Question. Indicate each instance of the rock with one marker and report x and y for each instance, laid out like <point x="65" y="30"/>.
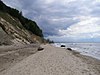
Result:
<point x="40" y="49"/>
<point x="69" y="49"/>
<point x="63" y="46"/>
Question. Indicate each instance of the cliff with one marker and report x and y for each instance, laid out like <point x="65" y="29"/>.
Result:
<point x="16" y="29"/>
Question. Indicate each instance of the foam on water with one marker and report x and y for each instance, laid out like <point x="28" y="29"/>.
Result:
<point x="89" y="49"/>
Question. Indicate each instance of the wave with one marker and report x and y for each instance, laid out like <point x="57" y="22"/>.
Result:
<point x="89" y="49"/>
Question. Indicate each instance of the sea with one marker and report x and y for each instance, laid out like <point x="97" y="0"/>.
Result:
<point x="89" y="49"/>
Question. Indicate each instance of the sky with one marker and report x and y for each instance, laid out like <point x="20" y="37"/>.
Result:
<point x="63" y="20"/>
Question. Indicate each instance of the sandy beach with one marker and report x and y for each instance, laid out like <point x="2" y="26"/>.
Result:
<point x="54" y="61"/>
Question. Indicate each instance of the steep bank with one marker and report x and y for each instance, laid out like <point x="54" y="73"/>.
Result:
<point x="16" y="29"/>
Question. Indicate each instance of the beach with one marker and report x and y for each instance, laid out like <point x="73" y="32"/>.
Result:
<point x="54" y="61"/>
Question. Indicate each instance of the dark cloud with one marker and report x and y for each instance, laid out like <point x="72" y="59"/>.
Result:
<point x="55" y="15"/>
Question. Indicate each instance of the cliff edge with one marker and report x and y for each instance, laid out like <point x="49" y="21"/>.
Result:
<point x="16" y="29"/>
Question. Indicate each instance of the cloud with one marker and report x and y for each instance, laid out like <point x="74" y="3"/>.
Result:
<point x="13" y="3"/>
<point x="86" y="28"/>
<point x="67" y="19"/>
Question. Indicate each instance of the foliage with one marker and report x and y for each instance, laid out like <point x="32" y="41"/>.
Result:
<point x="49" y="41"/>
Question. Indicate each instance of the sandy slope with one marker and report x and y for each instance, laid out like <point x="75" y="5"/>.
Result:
<point x="52" y="61"/>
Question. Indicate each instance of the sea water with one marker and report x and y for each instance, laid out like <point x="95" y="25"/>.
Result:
<point x="89" y="49"/>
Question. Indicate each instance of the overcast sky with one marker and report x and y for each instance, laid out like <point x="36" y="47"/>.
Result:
<point x="63" y="20"/>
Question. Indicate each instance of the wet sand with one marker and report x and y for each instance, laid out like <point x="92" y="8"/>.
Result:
<point x="54" y="61"/>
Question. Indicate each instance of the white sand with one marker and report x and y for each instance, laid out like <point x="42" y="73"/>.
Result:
<point x="52" y="61"/>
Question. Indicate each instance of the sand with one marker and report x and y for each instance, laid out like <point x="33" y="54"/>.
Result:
<point x="10" y="55"/>
<point x="55" y="61"/>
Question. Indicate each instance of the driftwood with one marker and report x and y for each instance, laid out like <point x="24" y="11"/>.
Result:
<point x="40" y="49"/>
<point x="69" y="49"/>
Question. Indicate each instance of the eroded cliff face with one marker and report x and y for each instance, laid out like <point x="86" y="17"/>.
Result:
<point x="4" y="38"/>
<point x="12" y="32"/>
<point x="17" y="29"/>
